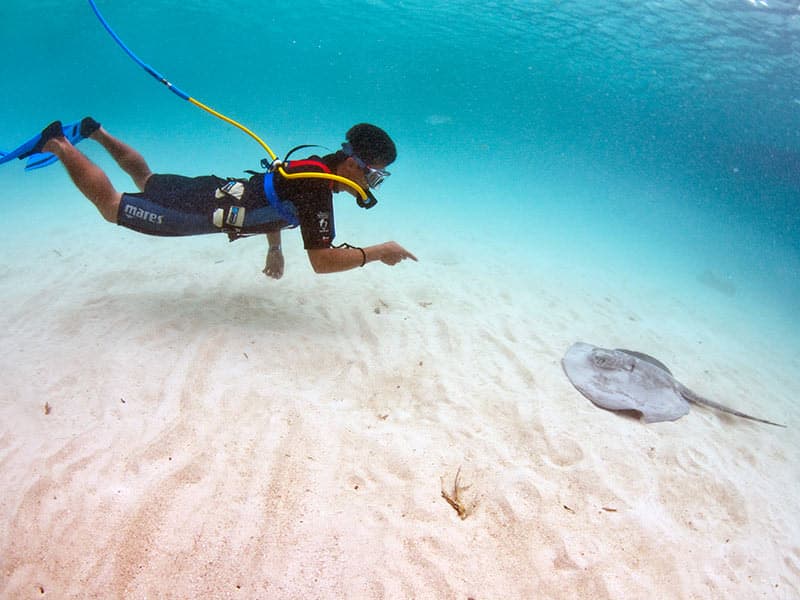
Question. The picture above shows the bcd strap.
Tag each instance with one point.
(273, 165)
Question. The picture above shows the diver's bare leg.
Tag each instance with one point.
(127, 158)
(87, 177)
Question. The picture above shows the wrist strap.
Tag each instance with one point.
(351, 247)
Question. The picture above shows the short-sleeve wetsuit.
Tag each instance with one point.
(174, 205)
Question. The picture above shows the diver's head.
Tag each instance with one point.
(369, 150)
(371, 144)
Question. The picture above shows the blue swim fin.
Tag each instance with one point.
(21, 151)
(72, 131)
(36, 161)
(32, 148)
(42, 159)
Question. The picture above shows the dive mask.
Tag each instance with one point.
(374, 176)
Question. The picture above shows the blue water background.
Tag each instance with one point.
(662, 137)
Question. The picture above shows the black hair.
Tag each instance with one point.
(372, 144)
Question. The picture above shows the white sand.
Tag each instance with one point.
(213, 434)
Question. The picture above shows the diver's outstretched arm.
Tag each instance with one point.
(334, 260)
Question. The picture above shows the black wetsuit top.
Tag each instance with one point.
(313, 199)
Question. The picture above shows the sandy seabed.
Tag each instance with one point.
(174, 425)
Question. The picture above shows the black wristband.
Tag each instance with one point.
(351, 247)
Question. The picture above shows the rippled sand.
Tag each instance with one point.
(176, 426)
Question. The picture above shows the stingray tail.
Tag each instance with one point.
(694, 398)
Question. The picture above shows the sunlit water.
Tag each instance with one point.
(662, 137)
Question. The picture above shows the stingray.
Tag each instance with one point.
(629, 380)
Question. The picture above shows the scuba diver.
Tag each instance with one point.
(265, 203)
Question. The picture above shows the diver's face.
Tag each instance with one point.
(349, 169)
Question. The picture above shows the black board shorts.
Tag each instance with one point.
(172, 205)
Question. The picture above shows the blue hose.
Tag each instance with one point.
(366, 199)
(177, 91)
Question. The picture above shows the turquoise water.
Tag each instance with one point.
(663, 136)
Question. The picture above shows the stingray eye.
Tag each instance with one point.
(602, 359)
